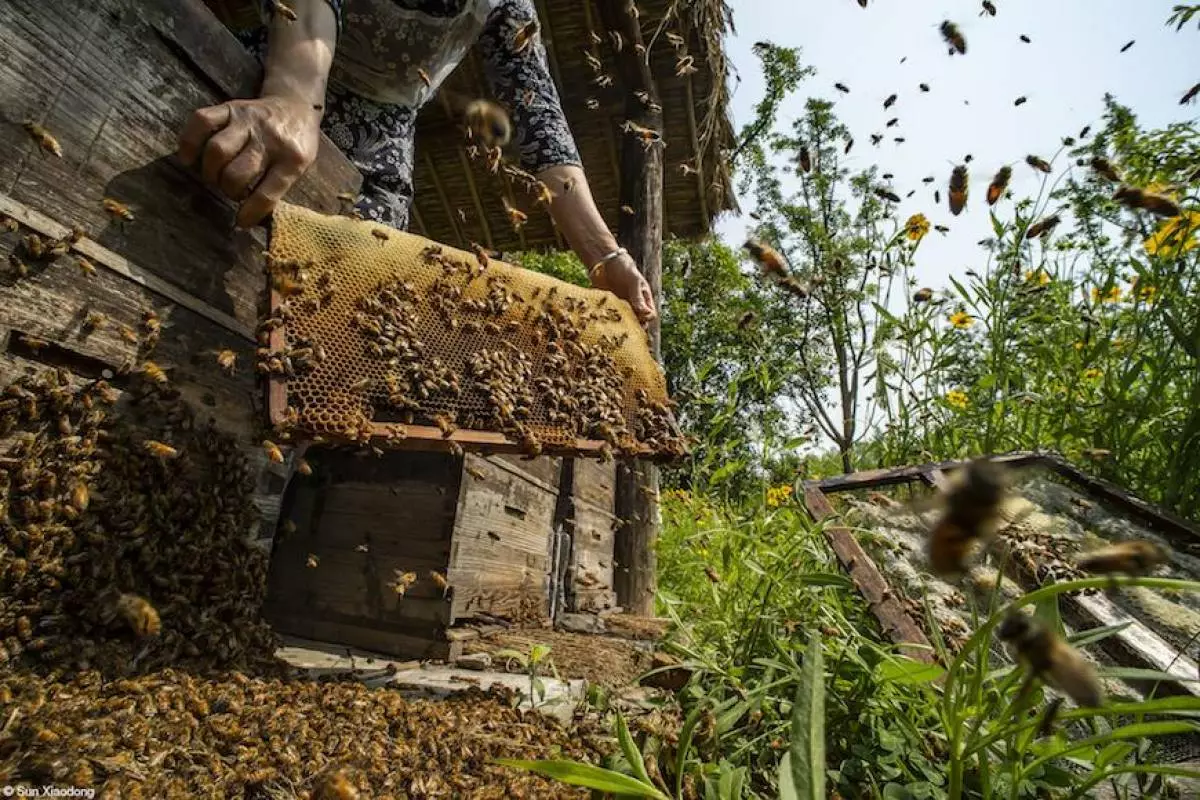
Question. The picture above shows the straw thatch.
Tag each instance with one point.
(459, 201)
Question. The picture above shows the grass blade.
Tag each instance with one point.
(588, 776)
(802, 770)
(630, 749)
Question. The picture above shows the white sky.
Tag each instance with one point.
(1072, 61)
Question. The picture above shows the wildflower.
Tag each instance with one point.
(1078, 345)
(1040, 277)
(778, 495)
(957, 399)
(1147, 293)
(1092, 373)
(961, 320)
(1110, 295)
(916, 227)
(1175, 236)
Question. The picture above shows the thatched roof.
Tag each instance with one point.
(697, 129)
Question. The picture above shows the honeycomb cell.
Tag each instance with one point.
(402, 330)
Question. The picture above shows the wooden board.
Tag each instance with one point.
(365, 519)
(501, 550)
(592, 559)
(595, 481)
(114, 81)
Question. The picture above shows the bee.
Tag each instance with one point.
(1132, 197)
(998, 185)
(746, 320)
(890, 101)
(1190, 95)
(439, 579)
(285, 11)
(159, 449)
(445, 424)
(360, 385)
(86, 267)
(117, 209)
(712, 575)
(1083, 132)
(649, 136)
(568, 185)
(80, 496)
(1096, 453)
(34, 246)
(274, 454)
(924, 87)
(516, 216)
(685, 65)
(989, 8)
(887, 194)
(958, 189)
(139, 615)
(841, 87)
(592, 104)
(1040, 164)
(953, 37)
(525, 36)
(380, 234)
(1127, 45)
(402, 581)
(1043, 226)
(425, 79)
(481, 255)
(9, 224)
(1104, 168)
(768, 258)
(628, 211)
(876, 138)
(891, 123)
(312, 561)
(805, 159)
(154, 372)
(1132, 558)
(488, 122)
(227, 361)
(971, 513)
(923, 295)
(1020, 101)
(1025, 38)
(43, 138)
(849, 144)
(1050, 658)
(795, 287)
(94, 321)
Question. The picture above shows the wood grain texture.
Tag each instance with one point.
(592, 569)
(595, 483)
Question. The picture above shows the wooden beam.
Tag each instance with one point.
(416, 213)
(475, 201)
(871, 478)
(896, 622)
(441, 193)
(697, 155)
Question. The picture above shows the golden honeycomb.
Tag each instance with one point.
(380, 335)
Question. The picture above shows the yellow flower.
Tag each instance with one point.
(1147, 293)
(1078, 345)
(961, 320)
(778, 495)
(1176, 235)
(1113, 295)
(1092, 374)
(957, 399)
(1040, 277)
(916, 227)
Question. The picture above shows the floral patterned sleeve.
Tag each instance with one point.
(522, 82)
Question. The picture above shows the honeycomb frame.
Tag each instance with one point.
(326, 277)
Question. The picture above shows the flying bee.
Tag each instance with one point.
(1020, 101)
(849, 144)
(1190, 95)
(312, 561)
(712, 575)
(1040, 164)
(876, 138)
(958, 189)
(989, 8)
(1159, 204)
(117, 210)
(43, 138)
(227, 361)
(685, 65)
(425, 79)
(971, 514)
(1043, 226)
(1024, 38)
(154, 372)
(628, 211)
(768, 258)
(1135, 557)
(283, 10)
(86, 267)
(402, 581)
(648, 136)
(891, 123)
(592, 104)
(998, 185)
(953, 37)
(924, 87)
(303, 467)
(1048, 657)
(1104, 168)
(887, 194)
(1127, 45)
(516, 216)
(274, 454)
(805, 158)
(440, 580)
(794, 286)
(841, 87)
(488, 122)
(890, 101)
(139, 615)
(923, 295)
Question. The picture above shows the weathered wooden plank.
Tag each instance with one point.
(892, 616)
(352, 633)
(595, 482)
(544, 468)
(871, 478)
(116, 93)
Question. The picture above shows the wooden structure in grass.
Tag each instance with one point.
(1136, 645)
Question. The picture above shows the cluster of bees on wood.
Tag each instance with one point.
(774, 266)
(170, 733)
(971, 512)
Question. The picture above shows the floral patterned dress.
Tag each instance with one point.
(388, 48)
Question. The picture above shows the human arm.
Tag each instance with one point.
(254, 150)
(520, 78)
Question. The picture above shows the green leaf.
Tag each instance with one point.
(537, 653)
(997, 225)
(1137, 674)
(822, 579)
(588, 776)
(725, 472)
(802, 771)
(1094, 635)
(685, 743)
(904, 670)
(630, 750)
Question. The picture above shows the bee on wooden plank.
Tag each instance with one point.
(117, 209)
(43, 138)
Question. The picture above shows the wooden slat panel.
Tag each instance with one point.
(393, 643)
(544, 468)
(592, 559)
(594, 482)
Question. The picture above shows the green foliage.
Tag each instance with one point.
(561, 264)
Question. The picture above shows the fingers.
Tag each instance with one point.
(244, 171)
(203, 123)
(222, 147)
(272, 189)
(644, 305)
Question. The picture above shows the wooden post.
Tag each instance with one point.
(641, 233)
